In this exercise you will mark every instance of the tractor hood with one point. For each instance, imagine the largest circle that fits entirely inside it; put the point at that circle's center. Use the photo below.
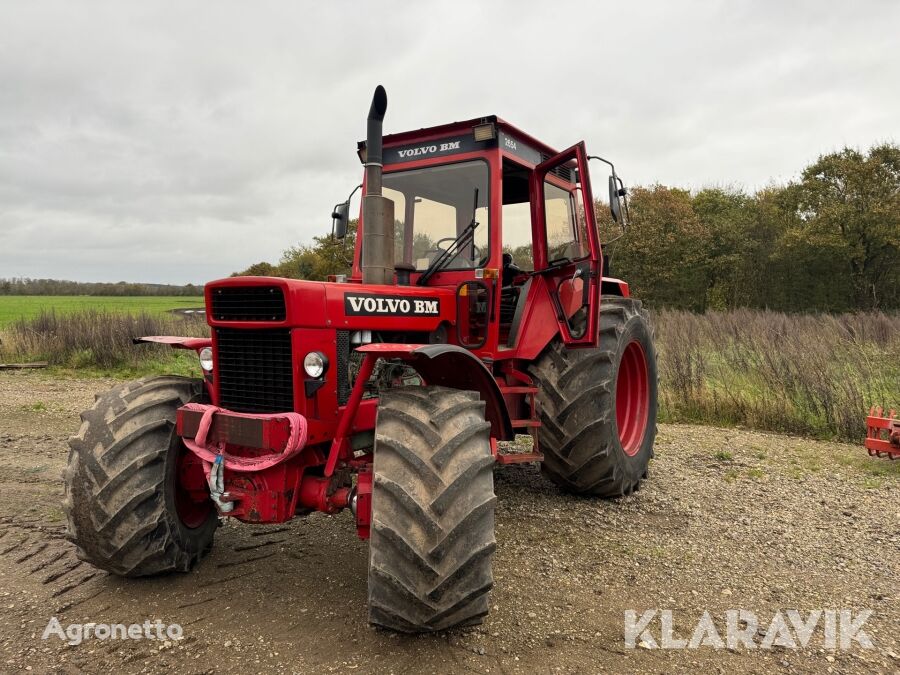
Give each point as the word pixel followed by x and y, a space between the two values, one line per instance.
pixel 273 302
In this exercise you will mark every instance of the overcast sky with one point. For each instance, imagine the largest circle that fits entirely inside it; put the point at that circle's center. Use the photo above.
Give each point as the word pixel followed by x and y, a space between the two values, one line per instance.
pixel 178 142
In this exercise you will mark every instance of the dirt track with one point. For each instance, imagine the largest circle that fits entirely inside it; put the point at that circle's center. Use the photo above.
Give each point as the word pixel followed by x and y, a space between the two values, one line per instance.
pixel 729 519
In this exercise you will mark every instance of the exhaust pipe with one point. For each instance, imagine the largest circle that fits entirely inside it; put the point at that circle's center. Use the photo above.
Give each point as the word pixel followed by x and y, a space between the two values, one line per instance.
pixel 378 211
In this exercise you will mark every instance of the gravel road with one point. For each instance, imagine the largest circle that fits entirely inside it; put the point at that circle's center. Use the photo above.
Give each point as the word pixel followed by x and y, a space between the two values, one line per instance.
pixel 729 519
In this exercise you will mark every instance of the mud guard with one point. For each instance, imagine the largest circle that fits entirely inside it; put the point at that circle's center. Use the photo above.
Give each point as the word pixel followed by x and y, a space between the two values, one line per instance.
pixel 174 341
pixel 454 367
pixel 612 286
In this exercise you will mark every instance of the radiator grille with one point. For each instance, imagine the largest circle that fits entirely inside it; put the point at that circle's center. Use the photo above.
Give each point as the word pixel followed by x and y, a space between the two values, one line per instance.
pixel 248 303
pixel 255 370
pixel 343 366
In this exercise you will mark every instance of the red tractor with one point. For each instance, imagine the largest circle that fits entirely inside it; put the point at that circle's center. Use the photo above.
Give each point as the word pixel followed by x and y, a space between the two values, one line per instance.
pixel 477 309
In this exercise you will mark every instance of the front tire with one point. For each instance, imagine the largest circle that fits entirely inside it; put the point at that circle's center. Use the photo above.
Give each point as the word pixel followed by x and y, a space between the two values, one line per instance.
pixel 126 512
pixel 598 406
pixel 433 500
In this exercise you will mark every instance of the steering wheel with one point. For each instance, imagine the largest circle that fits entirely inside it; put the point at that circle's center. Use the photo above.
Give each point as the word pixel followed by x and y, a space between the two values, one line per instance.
pixel 438 249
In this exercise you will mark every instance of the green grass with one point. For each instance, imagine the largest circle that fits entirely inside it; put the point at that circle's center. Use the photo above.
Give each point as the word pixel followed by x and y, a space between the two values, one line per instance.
pixel 813 375
pixel 14 307
pixel 172 362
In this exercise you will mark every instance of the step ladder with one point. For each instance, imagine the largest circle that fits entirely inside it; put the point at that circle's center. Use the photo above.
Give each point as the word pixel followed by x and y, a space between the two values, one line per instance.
pixel 528 425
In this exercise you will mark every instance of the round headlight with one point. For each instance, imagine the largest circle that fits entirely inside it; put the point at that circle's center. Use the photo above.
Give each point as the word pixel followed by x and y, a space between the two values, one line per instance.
pixel 315 364
pixel 206 358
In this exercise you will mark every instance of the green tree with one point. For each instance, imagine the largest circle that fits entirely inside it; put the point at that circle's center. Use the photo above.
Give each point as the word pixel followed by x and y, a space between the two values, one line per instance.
pixel 664 255
pixel 849 205
pixel 260 269
pixel 327 255
pixel 727 216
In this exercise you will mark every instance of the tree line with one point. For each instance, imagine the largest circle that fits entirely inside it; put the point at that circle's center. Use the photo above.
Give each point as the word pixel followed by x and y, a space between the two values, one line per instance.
pixel 828 241
pixel 26 286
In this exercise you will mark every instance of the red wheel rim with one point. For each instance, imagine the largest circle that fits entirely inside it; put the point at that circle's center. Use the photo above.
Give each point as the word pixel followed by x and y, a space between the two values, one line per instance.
pixel 189 473
pixel 632 398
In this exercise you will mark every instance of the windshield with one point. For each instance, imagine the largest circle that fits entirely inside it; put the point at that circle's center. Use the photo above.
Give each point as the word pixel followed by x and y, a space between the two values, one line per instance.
pixel 432 206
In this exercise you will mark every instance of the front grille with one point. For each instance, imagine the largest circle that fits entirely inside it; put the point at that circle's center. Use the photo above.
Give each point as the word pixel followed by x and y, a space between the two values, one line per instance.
pixel 248 303
pixel 343 366
pixel 255 370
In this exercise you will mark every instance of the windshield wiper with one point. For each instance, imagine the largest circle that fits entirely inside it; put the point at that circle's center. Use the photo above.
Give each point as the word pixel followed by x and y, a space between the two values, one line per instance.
pixel 453 250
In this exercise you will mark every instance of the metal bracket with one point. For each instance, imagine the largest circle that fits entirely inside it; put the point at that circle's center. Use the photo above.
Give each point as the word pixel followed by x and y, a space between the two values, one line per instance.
pixel 216 482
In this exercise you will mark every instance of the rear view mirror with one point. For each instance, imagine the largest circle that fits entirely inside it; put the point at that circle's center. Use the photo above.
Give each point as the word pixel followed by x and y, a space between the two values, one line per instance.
pixel 615 205
pixel 340 219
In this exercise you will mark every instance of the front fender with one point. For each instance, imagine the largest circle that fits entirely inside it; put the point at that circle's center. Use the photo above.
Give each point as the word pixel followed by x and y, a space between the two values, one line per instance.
pixel 175 342
pixel 454 367
pixel 196 344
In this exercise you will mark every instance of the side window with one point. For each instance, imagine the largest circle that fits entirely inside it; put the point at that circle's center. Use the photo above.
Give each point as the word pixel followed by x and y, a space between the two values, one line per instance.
pixel 563 240
pixel 517 234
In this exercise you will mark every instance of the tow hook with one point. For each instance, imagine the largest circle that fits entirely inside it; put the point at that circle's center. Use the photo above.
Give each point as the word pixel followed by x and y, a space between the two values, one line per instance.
pixel 216 483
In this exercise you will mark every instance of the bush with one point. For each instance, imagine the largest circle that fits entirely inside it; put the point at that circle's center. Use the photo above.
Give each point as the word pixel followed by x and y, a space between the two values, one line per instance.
pixel 809 374
pixel 95 338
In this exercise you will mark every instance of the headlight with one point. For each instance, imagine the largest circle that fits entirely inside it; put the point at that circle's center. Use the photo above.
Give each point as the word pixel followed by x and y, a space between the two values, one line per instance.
pixel 206 359
pixel 315 364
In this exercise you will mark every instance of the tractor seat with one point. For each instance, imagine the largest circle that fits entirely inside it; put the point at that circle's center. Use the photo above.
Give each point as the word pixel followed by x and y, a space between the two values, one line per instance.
pixel 509 297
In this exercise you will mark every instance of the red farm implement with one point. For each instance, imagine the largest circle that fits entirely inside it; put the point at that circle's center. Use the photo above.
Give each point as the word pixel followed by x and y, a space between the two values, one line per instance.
pixel 883 434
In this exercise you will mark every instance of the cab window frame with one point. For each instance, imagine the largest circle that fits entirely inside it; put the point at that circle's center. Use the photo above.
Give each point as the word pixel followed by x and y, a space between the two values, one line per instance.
pixel 577 227
pixel 488 207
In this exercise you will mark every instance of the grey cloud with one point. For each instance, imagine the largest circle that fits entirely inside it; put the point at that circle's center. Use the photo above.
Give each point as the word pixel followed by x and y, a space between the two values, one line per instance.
pixel 178 142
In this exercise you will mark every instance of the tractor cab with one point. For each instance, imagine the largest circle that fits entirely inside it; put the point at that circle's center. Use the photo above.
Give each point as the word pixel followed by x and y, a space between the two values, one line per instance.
pixel 504 220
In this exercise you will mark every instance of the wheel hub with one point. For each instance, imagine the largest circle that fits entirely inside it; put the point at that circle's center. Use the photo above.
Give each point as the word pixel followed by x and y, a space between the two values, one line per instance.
pixel 632 398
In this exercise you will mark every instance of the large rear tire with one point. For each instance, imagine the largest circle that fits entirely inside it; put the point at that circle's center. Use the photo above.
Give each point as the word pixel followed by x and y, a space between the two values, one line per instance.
pixel 433 500
pixel 126 511
pixel 598 406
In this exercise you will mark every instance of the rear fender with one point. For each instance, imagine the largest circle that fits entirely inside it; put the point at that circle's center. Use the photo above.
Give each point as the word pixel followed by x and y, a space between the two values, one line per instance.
pixel 454 367
pixel 613 286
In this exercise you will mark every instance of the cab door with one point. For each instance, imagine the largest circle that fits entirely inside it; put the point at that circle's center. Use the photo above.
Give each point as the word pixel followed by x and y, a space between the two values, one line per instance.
pixel 567 248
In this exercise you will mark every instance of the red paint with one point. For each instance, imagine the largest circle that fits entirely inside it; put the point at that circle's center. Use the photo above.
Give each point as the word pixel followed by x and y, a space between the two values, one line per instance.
pixel 883 434
pixel 340 446
pixel 177 342
pixel 632 398
pixel 364 501
pixel 318 494
pixel 192 501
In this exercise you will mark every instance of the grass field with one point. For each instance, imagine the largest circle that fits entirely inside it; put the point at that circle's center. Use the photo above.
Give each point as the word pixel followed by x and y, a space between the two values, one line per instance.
pixel 813 375
pixel 14 307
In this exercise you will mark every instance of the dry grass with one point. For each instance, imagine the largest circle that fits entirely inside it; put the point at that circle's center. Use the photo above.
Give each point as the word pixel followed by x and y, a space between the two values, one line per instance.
pixel 96 339
pixel 809 374
pixel 814 374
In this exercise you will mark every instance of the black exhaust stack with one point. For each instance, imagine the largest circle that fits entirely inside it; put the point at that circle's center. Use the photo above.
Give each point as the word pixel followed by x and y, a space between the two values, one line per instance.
pixel 378 211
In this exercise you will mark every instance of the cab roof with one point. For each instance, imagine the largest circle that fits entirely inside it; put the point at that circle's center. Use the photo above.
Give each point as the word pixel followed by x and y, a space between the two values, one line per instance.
pixel 537 150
